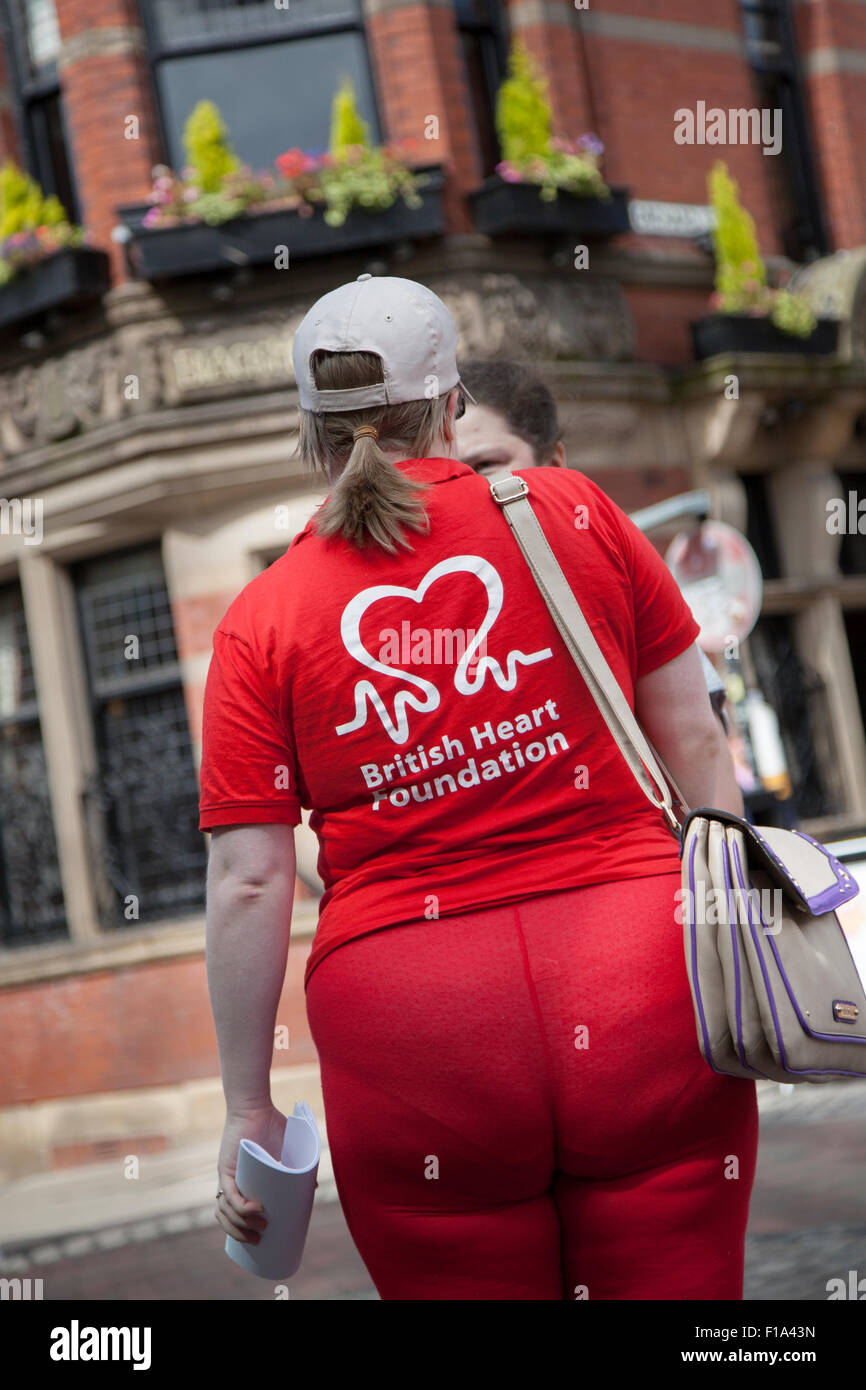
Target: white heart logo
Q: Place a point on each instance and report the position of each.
(468, 683)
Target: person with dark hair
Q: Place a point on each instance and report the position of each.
(515, 1100)
(513, 423)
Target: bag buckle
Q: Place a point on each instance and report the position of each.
(510, 489)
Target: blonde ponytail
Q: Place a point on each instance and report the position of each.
(371, 500)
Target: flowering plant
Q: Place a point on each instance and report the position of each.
(215, 187)
(367, 177)
(180, 198)
(741, 276)
(31, 225)
(572, 166)
(27, 248)
(531, 153)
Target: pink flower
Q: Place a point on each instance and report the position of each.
(150, 217)
(190, 194)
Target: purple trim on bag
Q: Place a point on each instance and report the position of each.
(842, 891)
(845, 888)
(824, 1037)
(735, 947)
(708, 1056)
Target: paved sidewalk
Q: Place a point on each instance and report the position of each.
(90, 1235)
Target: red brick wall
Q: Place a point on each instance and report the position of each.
(418, 70)
(149, 1025)
(837, 101)
(99, 92)
(662, 317)
(559, 53)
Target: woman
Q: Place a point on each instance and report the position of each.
(515, 1101)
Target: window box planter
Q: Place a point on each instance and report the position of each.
(725, 333)
(502, 209)
(65, 278)
(195, 248)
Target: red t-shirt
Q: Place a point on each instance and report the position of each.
(425, 707)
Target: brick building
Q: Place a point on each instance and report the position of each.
(155, 421)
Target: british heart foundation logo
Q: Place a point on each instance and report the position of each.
(424, 695)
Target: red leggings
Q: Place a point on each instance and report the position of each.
(517, 1108)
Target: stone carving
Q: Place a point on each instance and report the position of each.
(539, 317)
(216, 354)
(66, 395)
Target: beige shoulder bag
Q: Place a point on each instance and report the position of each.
(775, 989)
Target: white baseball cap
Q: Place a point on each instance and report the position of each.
(403, 322)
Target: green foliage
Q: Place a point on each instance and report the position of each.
(739, 267)
(369, 178)
(530, 152)
(792, 314)
(347, 128)
(741, 276)
(23, 205)
(523, 114)
(208, 150)
(31, 225)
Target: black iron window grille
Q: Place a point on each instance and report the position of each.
(271, 69)
(143, 802)
(31, 893)
(31, 41)
(771, 49)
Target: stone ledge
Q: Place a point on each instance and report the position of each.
(169, 940)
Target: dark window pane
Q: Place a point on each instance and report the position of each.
(477, 11)
(852, 551)
(760, 527)
(201, 21)
(294, 85)
(143, 804)
(50, 151)
(855, 628)
(799, 698)
(31, 895)
(121, 597)
(16, 668)
(150, 802)
(479, 59)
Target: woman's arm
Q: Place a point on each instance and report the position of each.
(673, 706)
(250, 888)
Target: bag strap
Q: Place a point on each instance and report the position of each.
(511, 493)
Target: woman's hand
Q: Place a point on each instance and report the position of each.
(265, 1125)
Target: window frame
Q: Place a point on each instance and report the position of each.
(158, 52)
(780, 77)
(32, 88)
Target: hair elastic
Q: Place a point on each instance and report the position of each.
(365, 429)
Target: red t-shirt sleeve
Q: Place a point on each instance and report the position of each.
(664, 623)
(248, 768)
